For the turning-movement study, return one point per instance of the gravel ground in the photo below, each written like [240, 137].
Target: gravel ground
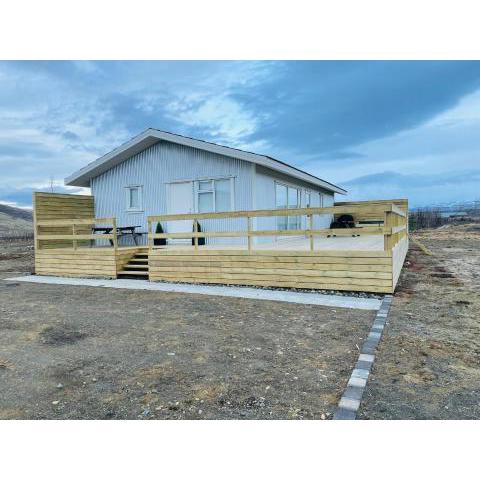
[91, 353]
[428, 363]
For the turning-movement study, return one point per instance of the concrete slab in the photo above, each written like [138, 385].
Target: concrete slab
[225, 291]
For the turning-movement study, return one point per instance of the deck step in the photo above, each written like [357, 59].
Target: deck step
[137, 267]
[142, 273]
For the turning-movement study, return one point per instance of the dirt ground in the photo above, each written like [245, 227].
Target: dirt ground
[428, 362]
[90, 353]
[80, 352]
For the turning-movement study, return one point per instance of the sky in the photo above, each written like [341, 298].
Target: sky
[380, 129]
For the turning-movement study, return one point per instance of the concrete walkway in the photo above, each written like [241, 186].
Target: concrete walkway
[227, 291]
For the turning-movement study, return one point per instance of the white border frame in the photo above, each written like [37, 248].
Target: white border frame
[141, 208]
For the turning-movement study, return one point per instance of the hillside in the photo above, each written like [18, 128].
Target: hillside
[14, 220]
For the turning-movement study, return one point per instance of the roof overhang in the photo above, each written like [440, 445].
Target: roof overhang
[82, 177]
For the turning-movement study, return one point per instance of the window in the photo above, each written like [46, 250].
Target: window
[215, 195]
[134, 198]
[206, 195]
[287, 197]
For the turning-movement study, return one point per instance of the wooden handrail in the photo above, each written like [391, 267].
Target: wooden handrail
[272, 213]
[398, 229]
[78, 236]
[390, 212]
[398, 211]
[74, 221]
[273, 233]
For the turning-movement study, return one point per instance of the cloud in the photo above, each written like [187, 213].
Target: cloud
[330, 106]
[342, 121]
[420, 189]
[223, 118]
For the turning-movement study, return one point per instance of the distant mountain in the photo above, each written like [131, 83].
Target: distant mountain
[468, 206]
[15, 220]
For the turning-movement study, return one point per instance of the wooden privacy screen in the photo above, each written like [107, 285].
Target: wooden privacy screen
[56, 206]
[370, 215]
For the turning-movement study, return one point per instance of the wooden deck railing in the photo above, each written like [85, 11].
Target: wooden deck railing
[76, 234]
[395, 221]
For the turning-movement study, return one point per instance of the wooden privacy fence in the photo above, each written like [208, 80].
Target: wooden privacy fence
[57, 206]
[77, 231]
[393, 228]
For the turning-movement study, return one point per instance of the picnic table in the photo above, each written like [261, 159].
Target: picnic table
[121, 231]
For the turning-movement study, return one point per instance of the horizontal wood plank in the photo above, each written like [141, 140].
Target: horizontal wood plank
[274, 233]
[271, 271]
[97, 236]
[276, 283]
[76, 221]
[267, 253]
[379, 209]
[172, 263]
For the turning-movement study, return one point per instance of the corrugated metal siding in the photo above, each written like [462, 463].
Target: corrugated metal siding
[164, 163]
[265, 198]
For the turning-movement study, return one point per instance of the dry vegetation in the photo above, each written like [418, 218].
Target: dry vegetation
[15, 223]
[428, 366]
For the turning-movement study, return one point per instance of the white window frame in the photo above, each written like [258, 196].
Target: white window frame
[140, 198]
[198, 192]
[299, 203]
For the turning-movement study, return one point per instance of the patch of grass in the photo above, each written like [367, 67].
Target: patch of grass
[60, 335]
[5, 364]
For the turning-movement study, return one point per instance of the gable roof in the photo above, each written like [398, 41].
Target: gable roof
[82, 177]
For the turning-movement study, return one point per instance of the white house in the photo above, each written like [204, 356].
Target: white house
[158, 173]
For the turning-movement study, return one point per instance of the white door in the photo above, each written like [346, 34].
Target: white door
[180, 200]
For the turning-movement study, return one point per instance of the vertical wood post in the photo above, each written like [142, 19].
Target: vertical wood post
[35, 226]
[74, 232]
[249, 233]
[149, 233]
[388, 237]
[404, 221]
[398, 222]
[195, 230]
[310, 227]
[114, 232]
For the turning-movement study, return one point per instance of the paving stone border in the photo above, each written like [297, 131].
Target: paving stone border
[352, 396]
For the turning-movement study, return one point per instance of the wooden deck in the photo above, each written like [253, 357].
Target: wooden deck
[303, 258]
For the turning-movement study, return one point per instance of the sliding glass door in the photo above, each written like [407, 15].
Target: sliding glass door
[287, 197]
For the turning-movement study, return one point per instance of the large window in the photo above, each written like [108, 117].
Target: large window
[134, 198]
[215, 195]
[287, 197]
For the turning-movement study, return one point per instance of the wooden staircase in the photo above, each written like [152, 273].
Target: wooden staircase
[137, 267]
